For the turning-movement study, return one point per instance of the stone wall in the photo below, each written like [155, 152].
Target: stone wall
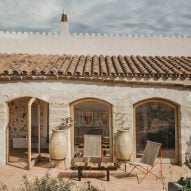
[59, 95]
[18, 118]
[185, 116]
[3, 129]
[52, 43]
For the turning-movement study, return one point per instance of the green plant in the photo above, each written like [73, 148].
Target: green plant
[46, 183]
[188, 164]
[65, 124]
[87, 186]
[186, 183]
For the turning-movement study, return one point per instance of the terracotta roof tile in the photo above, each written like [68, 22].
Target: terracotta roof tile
[131, 65]
[163, 68]
[165, 64]
[143, 66]
[72, 67]
[95, 66]
[59, 64]
[65, 64]
[187, 61]
[175, 65]
[89, 66]
[127, 70]
[117, 66]
[154, 68]
[148, 65]
[80, 66]
[182, 63]
[110, 66]
[103, 66]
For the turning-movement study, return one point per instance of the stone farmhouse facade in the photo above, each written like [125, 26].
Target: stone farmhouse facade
[104, 82]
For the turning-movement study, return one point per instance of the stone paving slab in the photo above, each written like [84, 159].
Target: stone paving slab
[12, 176]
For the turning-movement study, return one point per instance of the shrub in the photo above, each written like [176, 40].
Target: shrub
[87, 186]
[46, 183]
[186, 183]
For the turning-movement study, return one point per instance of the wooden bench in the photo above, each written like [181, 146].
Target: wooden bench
[98, 167]
[92, 152]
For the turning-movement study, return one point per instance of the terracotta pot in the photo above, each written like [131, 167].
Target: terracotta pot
[58, 145]
[123, 144]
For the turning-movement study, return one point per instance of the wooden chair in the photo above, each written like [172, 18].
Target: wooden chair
[92, 151]
[92, 158]
[92, 147]
[148, 160]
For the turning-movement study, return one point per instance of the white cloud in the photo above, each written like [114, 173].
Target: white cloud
[15, 14]
[109, 16]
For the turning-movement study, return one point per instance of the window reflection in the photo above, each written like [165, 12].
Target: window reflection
[91, 118]
[155, 122]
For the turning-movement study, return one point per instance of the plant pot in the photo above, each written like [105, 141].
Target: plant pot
[58, 145]
[123, 145]
[174, 186]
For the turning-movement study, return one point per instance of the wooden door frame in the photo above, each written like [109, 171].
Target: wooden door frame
[31, 163]
[85, 100]
[30, 102]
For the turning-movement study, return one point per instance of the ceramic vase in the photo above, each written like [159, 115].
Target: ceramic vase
[123, 145]
[58, 145]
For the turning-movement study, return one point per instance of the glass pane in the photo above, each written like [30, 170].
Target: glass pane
[155, 122]
[91, 118]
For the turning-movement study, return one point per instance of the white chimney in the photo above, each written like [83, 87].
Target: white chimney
[64, 24]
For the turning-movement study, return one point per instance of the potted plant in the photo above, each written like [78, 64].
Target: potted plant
[183, 184]
[58, 142]
[174, 186]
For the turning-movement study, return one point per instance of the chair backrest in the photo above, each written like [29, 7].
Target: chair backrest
[92, 146]
[151, 152]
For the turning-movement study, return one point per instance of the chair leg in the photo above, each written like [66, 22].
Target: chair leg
[50, 162]
[107, 174]
[65, 164]
[145, 171]
[148, 171]
[139, 182]
[79, 174]
[131, 170]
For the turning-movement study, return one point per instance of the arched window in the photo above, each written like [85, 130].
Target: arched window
[156, 121]
[92, 116]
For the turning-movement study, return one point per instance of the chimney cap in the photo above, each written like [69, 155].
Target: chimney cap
[64, 17]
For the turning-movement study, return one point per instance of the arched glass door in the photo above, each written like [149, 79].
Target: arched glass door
[92, 116]
[156, 121]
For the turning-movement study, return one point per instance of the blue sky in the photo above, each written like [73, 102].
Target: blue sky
[98, 16]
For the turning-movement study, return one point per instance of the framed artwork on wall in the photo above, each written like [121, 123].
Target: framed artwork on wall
[87, 118]
[103, 118]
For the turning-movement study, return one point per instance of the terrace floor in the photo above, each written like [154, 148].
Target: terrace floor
[12, 176]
